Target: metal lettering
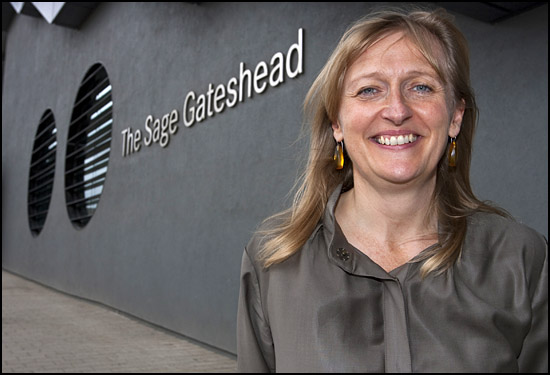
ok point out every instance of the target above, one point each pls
(197, 108)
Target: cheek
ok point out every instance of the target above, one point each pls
(437, 112)
(353, 119)
(438, 119)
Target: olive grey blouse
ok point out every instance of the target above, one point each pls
(330, 308)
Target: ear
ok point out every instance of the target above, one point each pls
(456, 121)
(337, 131)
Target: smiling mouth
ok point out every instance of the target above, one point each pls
(396, 140)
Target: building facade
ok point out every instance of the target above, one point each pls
(143, 143)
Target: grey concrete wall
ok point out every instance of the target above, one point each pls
(166, 241)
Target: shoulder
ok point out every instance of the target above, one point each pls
(271, 245)
(267, 230)
(492, 227)
(254, 246)
(497, 237)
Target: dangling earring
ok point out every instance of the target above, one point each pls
(452, 153)
(339, 155)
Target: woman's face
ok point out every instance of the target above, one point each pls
(395, 115)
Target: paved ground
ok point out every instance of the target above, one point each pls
(47, 331)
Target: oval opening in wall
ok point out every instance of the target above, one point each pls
(88, 146)
(42, 172)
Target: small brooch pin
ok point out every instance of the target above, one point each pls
(342, 254)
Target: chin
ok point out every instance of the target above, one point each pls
(401, 176)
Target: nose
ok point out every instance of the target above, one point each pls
(396, 109)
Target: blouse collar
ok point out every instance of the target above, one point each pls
(340, 251)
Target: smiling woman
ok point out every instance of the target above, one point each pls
(388, 94)
(389, 262)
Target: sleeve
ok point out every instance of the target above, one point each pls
(254, 343)
(534, 353)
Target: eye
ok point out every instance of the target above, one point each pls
(368, 91)
(422, 88)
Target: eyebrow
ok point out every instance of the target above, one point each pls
(412, 73)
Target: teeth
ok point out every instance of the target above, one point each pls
(399, 140)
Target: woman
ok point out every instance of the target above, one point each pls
(387, 261)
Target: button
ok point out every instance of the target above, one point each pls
(343, 254)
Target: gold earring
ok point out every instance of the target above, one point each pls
(339, 155)
(452, 153)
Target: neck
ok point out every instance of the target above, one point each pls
(391, 214)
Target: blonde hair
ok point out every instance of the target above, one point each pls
(445, 48)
